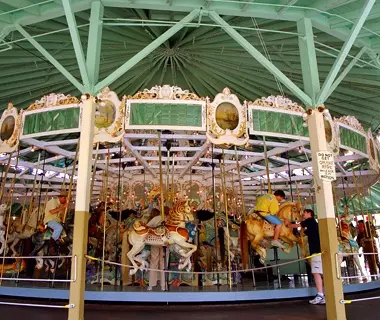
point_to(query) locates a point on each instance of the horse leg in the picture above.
(136, 249)
(2, 241)
(186, 255)
(255, 245)
(359, 266)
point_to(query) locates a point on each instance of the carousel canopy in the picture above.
(44, 45)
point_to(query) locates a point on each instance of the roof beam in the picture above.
(94, 43)
(146, 51)
(50, 58)
(70, 17)
(195, 158)
(345, 71)
(308, 58)
(344, 51)
(138, 156)
(261, 58)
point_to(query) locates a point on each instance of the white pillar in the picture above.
(82, 204)
(326, 219)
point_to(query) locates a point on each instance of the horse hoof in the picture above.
(132, 272)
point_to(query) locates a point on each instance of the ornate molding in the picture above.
(351, 121)
(52, 100)
(10, 126)
(372, 151)
(166, 92)
(277, 102)
(227, 120)
(106, 128)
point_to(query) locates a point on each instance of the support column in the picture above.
(326, 219)
(82, 204)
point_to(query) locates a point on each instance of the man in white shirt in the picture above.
(54, 211)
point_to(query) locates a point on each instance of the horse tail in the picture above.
(222, 245)
(244, 244)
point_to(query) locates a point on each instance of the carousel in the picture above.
(173, 188)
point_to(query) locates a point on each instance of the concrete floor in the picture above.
(299, 309)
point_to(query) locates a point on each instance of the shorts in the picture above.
(272, 219)
(316, 265)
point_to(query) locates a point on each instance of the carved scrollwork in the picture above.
(352, 122)
(166, 92)
(277, 102)
(53, 100)
(372, 151)
(10, 125)
(227, 120)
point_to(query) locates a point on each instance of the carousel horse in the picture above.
(3, 208)
(260, 231)
(172, 232)
(347, 244)
(233, 240)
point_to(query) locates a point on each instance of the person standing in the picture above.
(267, 206)
(311, 230)
(54, 210)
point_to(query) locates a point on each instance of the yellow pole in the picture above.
(240, 185)
(78, 268)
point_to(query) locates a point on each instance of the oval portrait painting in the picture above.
(227, 116)
(7, 128)
(105, 116)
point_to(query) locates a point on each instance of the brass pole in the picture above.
(94, 171)
(240, 185)
(11, 190)
(267, 165)
(223, 177)
(105, 218)
(161, 179)
(71, 183)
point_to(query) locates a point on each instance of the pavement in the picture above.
(284, 310)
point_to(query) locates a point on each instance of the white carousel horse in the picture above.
(347, 246)
(173, 232)
(259, 231)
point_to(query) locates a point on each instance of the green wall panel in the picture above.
(167, 114)
(62, 119)
(278, 122)
(352, 139)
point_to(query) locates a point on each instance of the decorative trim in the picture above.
(277, 102)
(372, 152)
(352, 122)
(52, 100)
(237, 134)
(165, 92)
(115, 131)
(10, 143)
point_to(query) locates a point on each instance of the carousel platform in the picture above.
(179, 295)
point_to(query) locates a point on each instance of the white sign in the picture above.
(326, 166)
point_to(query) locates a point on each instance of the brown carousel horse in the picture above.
(258, 231)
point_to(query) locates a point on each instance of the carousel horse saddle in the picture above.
(267, 226)
(157, 231)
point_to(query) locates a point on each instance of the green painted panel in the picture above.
(277, 122)
(166, 114)
(48, 121)
(352, 139)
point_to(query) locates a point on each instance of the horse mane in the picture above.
(175, 213)
(287, 204)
